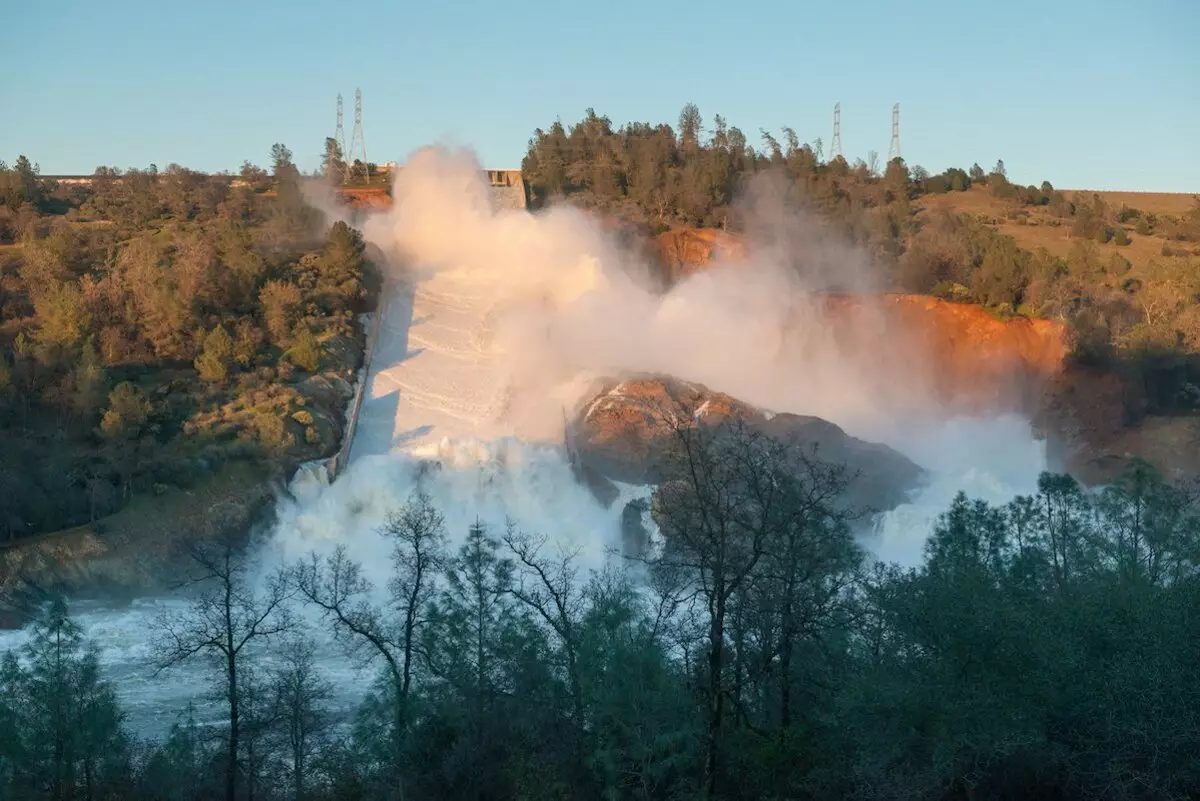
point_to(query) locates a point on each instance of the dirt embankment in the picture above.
(138, 550)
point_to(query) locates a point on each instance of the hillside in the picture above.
(156, 328)
(1035, 227)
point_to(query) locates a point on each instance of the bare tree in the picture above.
(390, 632)
(551, 588)
(222, 620)
(715, 511)
(300, 694)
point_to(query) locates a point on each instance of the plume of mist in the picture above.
(568, 301)
(523, 312)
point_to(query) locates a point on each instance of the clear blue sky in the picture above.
(1099, 94)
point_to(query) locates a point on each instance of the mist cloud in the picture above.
(570, 302)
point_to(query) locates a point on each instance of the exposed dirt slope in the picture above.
(136, 550)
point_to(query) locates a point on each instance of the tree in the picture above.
(716, 513)
(281, 161)
(391, 633)
(690, 123)
(63, 315)
(472, 625)
(91, 385)
(333, 162)
(552, 590)
(225, 618)
(127, 412)
(66, 726)
(214, 363)
(300, 697)
(305, 353)
(341, 265)
(281, 308)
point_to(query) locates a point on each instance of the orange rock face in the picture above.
(973, 360)
(367, 197)
(683, 251)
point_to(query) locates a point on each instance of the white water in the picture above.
(481, 354)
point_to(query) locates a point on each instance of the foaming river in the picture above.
(990, 459)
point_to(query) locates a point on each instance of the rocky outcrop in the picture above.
(622, 435)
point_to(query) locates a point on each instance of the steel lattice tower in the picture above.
(835, 147)
(894, 150)
(357, 138)
(339, 134)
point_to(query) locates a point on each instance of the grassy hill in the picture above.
(1035, 227)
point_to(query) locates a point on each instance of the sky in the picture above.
(1088, 94)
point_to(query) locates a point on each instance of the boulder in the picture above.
(620, 435)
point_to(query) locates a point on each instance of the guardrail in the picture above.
(341, 459)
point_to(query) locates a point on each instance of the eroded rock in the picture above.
(622, 435)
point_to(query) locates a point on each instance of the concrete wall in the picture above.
(340, 460)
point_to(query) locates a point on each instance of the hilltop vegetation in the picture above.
(154, 325)
(1124, 279)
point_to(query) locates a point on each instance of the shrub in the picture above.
(272, 432)
(303, 418)
(1121, 238)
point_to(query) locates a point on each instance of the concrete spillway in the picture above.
(431, 375)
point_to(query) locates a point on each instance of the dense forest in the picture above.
(1044, 649)
(155, 325)
(1143, 321)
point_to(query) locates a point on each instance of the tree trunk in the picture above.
(231, 766)
(716, 698)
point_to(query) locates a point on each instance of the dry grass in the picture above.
(1173, 203)
(1039, 231)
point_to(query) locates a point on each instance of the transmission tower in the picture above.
(835, 147)
(339, 135)
(357, 138)
(894, 150)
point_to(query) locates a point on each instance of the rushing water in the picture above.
(991, 459)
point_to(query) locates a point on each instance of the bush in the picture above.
(303, 418)
(1121, 238)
